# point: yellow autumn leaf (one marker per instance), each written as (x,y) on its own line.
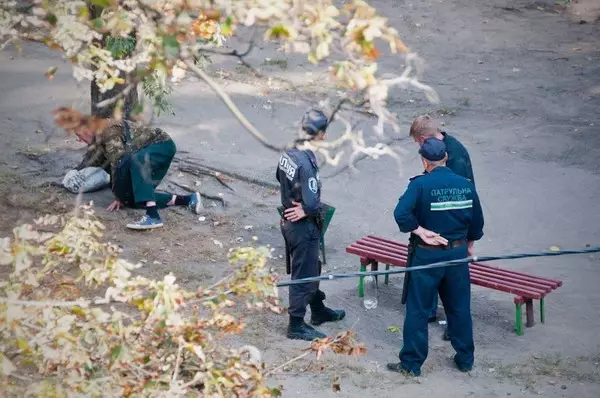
(393,329)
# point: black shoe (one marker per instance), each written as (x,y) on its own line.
(463,368)
(432,319)
(326,315)
(303,332)
(446,335)
(398,368)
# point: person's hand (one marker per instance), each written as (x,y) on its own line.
(115,205)
(430,237)
(295,213)
(470,249)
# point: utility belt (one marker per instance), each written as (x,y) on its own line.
(451,245)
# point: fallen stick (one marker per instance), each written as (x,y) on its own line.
(198,172)
(231,174)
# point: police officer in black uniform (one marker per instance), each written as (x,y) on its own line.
(298,175)
(458,161)
(442,210)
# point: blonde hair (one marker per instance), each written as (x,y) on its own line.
(424,126)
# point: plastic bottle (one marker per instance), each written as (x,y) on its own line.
(370,292)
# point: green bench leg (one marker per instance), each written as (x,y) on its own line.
(361,287)
(387,276)
(519,319)
(542,311)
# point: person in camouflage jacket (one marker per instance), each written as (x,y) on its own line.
(136,165)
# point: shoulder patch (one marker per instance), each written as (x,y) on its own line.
(313,185)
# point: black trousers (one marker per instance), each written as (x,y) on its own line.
(302,238)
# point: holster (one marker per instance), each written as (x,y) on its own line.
(412,243)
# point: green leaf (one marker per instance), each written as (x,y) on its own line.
(393,329)
(98,23)
(276,391)
(52,19)
(227,26)
(101,3)
(137,109)
(278,32)
(171,45)
(120,47)
(23,345)
(116,352)
(84,12)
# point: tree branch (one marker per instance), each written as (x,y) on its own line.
(49,303)
(232,107)
(122,94)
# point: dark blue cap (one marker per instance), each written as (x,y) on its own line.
(314,121)
(433,149)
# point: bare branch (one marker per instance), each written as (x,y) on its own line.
(49,303)
(178,360)
(122,94)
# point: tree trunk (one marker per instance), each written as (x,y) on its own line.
(130,101)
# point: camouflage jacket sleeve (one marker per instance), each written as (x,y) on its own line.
(113,144)
(93,157)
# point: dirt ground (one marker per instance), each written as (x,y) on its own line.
(520,86)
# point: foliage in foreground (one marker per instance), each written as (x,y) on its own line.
(173,36)
(136,336)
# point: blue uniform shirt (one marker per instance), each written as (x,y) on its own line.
(443,202)
(298,176)
(458,158)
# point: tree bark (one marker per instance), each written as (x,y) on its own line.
(96,96)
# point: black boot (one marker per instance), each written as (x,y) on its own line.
(320,314)
(327,315)
(299,330)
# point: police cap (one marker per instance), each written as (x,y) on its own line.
(314,121)
(433,149)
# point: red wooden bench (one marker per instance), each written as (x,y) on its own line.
(526,288)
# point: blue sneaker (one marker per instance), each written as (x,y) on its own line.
(146,222)
(195,204)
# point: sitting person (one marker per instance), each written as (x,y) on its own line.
(137,158)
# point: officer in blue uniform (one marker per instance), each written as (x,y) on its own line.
(298,176)
(443,211)
(458,161)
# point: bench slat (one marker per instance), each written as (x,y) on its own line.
(509,279)
(554,282)
(493,278)
(382,258)
(375,242)
(380,249)
(380,246)
(388,241)
(518,290)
